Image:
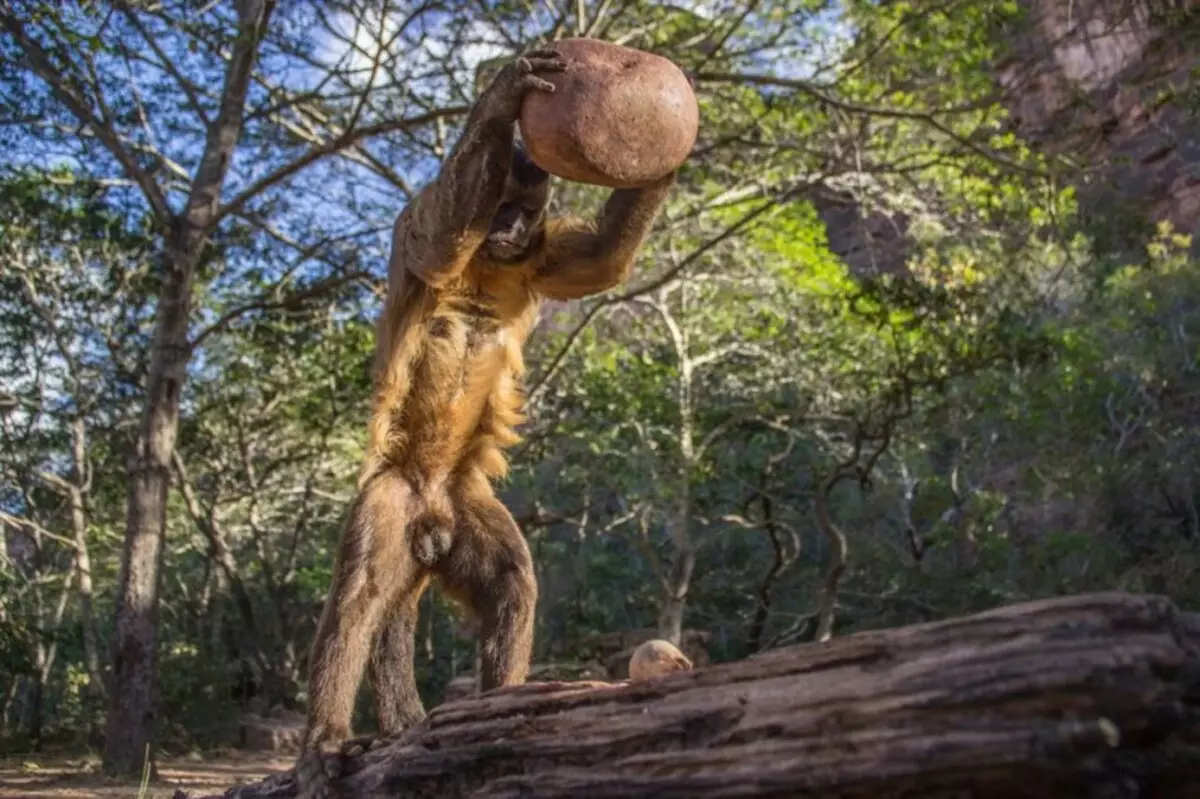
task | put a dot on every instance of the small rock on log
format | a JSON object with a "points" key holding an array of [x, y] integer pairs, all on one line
{"points": [[614, 649], [656, 658], [1087, 696]]}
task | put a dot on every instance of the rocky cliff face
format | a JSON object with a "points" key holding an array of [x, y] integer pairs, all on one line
{"points": [[1112, 84]]}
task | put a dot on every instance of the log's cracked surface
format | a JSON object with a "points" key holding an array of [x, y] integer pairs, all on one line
{"points": [[1088, 696]]}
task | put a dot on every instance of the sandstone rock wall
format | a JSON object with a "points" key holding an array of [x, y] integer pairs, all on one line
{"points": [[1113, 84]]}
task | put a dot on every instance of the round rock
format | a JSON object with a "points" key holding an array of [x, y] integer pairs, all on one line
{"points": [[618, 117], [656, 658]]}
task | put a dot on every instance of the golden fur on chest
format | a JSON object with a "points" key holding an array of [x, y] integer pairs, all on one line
{"points": [[448, 365]]}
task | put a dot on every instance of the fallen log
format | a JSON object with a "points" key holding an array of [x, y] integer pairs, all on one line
{"points": [[1087, 696]]}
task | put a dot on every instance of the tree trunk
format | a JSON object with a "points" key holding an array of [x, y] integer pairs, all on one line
{"points": [[678, 579], [131, 711], [216, 616], [129, 734], [44, 656], [87, 617], [209, 524], [674, 602], [94, 694], [838, 552], [784, 558], [37, 702], [1086, 696], [10, 696]]}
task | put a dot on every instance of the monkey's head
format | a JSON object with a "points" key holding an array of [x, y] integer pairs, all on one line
{"points": [[519, 224]]}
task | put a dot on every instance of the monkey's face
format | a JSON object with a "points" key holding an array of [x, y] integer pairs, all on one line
{"points": [[520, 221]]}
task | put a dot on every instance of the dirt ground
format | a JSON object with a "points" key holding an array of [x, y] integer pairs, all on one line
{"points": [[64, 777]]}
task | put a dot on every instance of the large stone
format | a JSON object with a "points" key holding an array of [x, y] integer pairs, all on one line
{"points": [[618, 117]]}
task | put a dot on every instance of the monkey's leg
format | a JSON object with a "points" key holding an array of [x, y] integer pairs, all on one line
{"points": [[390, 670], [489, 569], [373, 566]]}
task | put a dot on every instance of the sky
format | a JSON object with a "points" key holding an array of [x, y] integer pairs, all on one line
{"points": [[316, 193]]}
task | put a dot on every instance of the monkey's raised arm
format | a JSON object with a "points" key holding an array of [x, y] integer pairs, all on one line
{"points": [[582, 259], [440, 230]]}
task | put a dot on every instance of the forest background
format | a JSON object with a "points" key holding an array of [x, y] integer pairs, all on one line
{"points": [[916, 335]]}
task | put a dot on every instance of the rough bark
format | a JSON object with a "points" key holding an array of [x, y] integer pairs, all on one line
{"points": [[131, 711], [129, 733], [1086, 696]]}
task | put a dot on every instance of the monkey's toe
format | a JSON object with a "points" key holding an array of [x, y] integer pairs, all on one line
{"points": [[356, 746], [317, 773], [359, 746]]}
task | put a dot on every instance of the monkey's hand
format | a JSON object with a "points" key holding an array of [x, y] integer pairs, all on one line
{"points": [[502, 99]]}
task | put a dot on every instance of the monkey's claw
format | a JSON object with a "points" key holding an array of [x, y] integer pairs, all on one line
{"points": [[540, 61]]}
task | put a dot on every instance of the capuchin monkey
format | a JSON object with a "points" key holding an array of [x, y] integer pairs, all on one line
{"points": [[472, 256]]}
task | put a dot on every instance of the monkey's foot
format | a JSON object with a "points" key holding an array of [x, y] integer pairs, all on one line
{"points": [[357, 746], [317, 772]]}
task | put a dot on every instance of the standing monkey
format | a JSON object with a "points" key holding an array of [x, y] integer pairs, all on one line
{"points": [[472, 255]]}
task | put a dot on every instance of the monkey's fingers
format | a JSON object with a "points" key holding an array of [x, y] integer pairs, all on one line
{"points": [[543, 52], [527, 64], [534, 82]]}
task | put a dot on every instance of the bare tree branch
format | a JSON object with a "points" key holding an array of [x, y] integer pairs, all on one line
{"points": [[334, 145], [39, 60], [202, 209]]}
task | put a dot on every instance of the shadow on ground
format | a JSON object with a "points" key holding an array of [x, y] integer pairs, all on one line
{"points": [[62, 777]]}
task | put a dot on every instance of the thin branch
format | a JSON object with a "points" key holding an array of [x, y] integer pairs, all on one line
{"points": [[34, 527], [54, 77], [334, 145], [203, 210], [262, 304], [928, 118], [557, 360], [165, 62]]}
